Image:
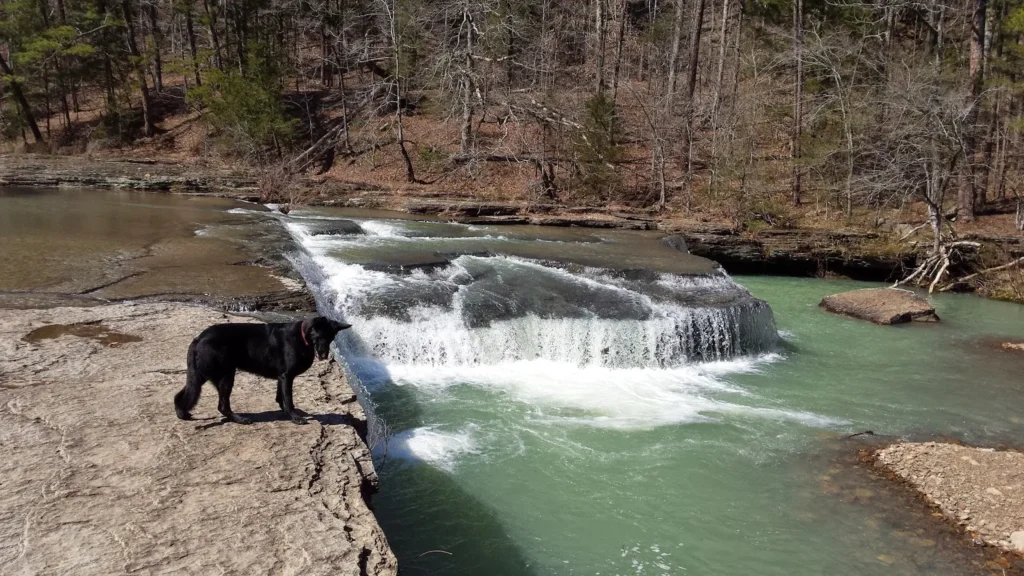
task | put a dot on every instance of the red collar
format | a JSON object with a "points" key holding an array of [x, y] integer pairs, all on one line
{"points": [[302, 330]]}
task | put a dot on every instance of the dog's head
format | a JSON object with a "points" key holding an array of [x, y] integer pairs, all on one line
{"points": [[321, 332]]}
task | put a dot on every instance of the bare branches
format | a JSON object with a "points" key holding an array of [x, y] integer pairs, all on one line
{"points": [[969, 277]]}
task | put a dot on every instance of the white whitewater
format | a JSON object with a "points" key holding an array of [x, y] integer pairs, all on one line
{"points": [[578, 345]]}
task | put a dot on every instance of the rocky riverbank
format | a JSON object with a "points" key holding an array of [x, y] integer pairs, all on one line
{"points": [[980, 489], [100, 477]]}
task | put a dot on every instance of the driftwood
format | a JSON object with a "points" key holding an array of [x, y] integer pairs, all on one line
{"points": [[936, 265], [326, 142], [970, 277]]}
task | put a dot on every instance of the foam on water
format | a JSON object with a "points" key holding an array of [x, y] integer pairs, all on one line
{"points": [[634, 398], [431, 445], [382, 228]]}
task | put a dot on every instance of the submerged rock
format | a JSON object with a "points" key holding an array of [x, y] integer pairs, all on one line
{"points": [[881, 306], [100, 477], [1013, 346], [336, 228], [675, 242]]}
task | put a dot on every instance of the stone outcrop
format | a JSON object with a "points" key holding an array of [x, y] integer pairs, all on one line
{"points": [[100, 477], [58, 171], [676, 242], [980, 489], [881, 306], [798, 252]]}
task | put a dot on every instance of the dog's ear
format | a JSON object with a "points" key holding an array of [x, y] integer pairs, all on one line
{"points": [[339, 326]]}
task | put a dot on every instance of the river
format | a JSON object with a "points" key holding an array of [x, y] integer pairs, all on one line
{"points": [[567, 401]]}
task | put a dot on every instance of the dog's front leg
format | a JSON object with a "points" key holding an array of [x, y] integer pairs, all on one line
{"points": [[224, 386], [284, 385]]}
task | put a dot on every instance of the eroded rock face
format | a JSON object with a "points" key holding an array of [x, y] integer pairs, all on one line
{"points": [[978, 488], [100, 477], [881, 306], [675, 242]]}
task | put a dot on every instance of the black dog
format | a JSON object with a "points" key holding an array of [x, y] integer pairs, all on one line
{"points": [[281, 351]]}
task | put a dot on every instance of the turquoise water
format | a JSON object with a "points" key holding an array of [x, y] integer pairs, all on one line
{"points": [[549, 467], [737, 494]]}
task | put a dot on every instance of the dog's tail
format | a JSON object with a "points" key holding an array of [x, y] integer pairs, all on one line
{"points": [[188, 397]]}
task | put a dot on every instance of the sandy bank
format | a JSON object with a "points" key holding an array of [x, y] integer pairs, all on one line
{"points": [[979, 488], [99, 477]]}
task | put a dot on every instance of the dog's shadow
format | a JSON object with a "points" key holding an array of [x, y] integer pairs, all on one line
{"points": [[328, 419]]}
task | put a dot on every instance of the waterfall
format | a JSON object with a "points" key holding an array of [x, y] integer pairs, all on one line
{"points": [[477, 310]]}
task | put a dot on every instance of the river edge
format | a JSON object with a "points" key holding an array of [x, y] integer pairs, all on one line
{"points": [[887, 464], [102, 478], [806, 252]]}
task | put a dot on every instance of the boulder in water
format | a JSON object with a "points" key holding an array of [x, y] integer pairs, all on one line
{"points": [[881, 306], [336, 228], [1013, 346], [675, 242]]}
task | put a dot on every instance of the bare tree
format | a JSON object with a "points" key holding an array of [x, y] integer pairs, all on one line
{"points": [[19, 96], [798, 96], [388, 8], [976, 72], [138, 65]]}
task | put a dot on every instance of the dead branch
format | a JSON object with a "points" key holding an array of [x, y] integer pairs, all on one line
{"points": [[970, 277]]}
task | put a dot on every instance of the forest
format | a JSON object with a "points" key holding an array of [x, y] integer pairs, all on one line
{"points": [[755, 112]]}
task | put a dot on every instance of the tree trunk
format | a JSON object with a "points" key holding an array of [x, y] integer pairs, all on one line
{"points": [[677, 39], [618, 53], [968, 181], [191, 32], [691, 80], [154, 27], [211, 16], [736, 52], [19, 97], [716, 100], [466, 133], [694, 53], [600, 28], [140, 70], [798, 97], [389, 8]]}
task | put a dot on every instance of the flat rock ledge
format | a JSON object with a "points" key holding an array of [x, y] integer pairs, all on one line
{"points": [[881, 306], [99, 477], [980, 489]]}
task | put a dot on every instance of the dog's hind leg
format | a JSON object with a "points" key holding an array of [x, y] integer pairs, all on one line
{"points": [[224, 386]]}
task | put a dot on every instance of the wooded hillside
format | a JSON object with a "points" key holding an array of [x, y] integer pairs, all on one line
{"points": [[738, 108]]}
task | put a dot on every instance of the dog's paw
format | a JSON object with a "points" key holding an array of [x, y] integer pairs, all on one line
{"points": [[182, 415], [240, 419], [298, 419]]}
